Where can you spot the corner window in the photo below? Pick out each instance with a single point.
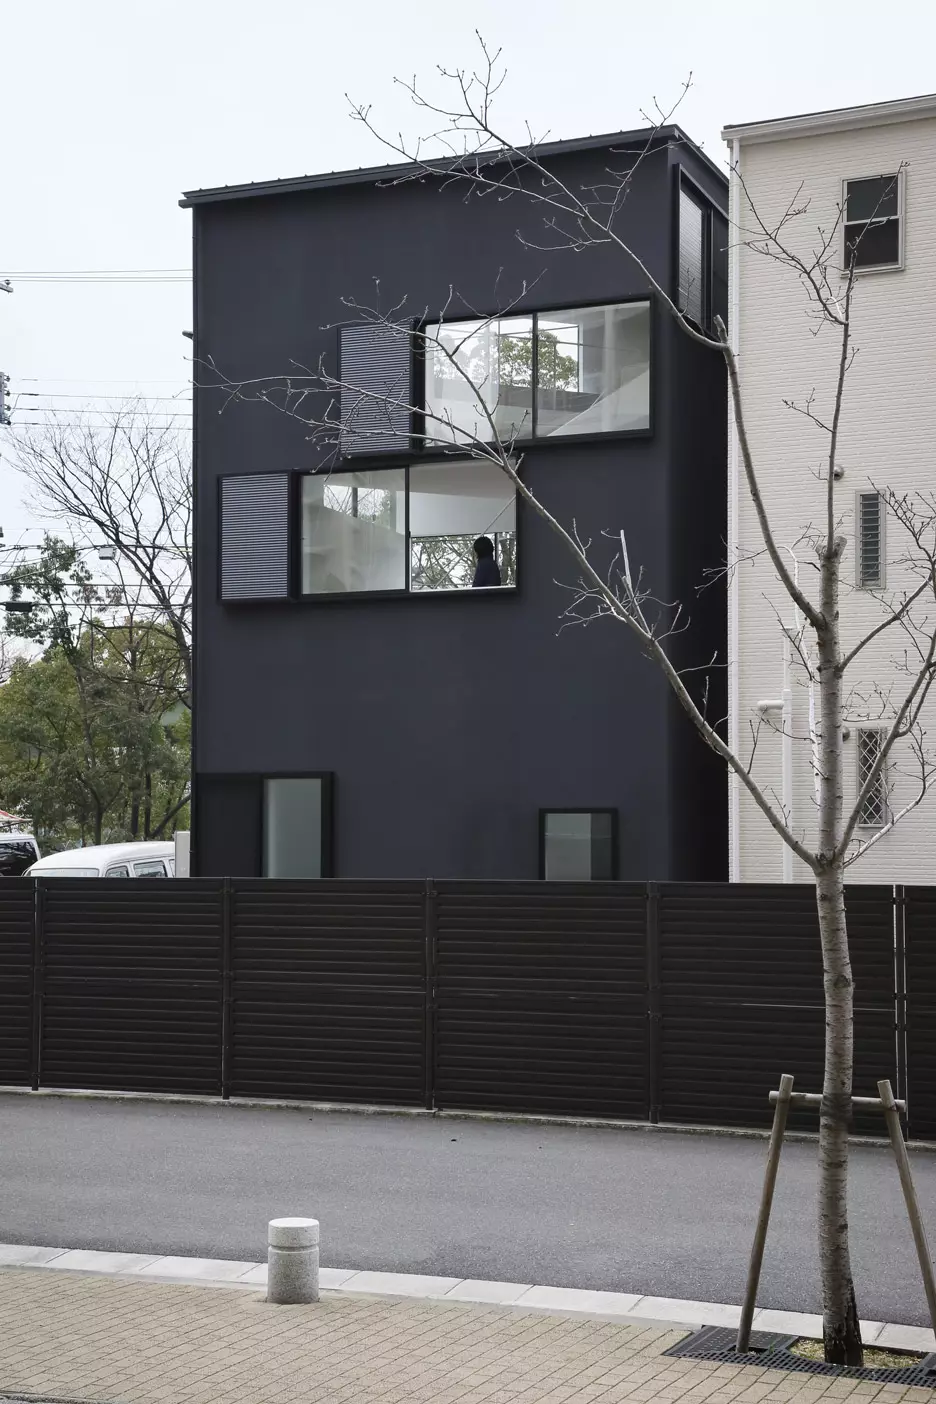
(577, 372)
(873, 219)
(578, 845)
(874, 809)
(447, 525)
(296, 826)
(870, 536)
(693, 239)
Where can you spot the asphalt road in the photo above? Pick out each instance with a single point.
(624, 1210)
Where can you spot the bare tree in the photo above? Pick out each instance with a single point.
(477, 154)
(126, 486)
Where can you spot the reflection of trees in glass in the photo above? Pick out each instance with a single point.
(555, 371)
(448, 562)
(369, 504)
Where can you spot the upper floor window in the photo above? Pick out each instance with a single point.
(874, 806)
(873, 222)
(570, 373)
(694, 239)
(426, 526)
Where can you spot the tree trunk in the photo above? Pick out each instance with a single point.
(841, 1333)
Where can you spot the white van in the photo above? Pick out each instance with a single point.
(113, 860)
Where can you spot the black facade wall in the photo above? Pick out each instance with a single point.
(447, 721)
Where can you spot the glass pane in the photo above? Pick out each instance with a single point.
(593, 370)
(873, 245)
(120, 871)
(451, 507)
(292, 828)
(154, 868)
(872, 199)
(479, 366)
(578, 847)
(354, 532)
(691, 254)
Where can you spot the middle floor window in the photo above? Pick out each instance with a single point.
(581, 371)
(447, 525)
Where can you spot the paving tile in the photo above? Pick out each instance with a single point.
(692, 1313)
(206, 1269)
(86, 1260)
(907, 1338)
(497, 1293)
(572, 1299)
(400, 1284)
(27, 1255)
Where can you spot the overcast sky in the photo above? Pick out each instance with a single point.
(111, 108)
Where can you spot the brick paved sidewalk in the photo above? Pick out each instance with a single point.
(71, 1336)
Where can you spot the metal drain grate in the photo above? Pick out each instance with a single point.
(768, 1348)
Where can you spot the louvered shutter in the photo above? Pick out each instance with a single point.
(376, 374)
(870, 539)
(255, 537)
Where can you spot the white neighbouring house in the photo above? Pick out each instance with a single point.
(879, 161)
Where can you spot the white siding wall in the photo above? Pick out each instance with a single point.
(888, 439)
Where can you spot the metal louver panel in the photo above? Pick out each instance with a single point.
(870, 540)
(255, 537)
(377, 378)
(691, 259)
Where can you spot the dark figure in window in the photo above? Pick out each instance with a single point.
(487, 571)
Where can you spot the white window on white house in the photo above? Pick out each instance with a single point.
(874, 807)
(873, 214)
(692, 260)
(870, 538)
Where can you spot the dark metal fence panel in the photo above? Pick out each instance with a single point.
(920, 939)
(329, 992)
(741, 969)
(541, 998)
(16, 967)
(132, 985)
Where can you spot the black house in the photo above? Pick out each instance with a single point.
(362, 709)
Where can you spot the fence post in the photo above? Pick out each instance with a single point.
(900, 996)
(38, 983)
(227, 984)
(654, 1010)
(430, 932)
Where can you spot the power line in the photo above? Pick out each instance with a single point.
(69, 272)
(84, 380)
(74, 395)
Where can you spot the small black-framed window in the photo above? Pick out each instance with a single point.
(296, 826)
(695, 258)
(578, 845)
(870, 534)
(873, 223)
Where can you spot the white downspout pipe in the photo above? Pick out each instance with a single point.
(734, 585)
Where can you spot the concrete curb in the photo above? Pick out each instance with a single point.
(668, 1128)
(615, 1306)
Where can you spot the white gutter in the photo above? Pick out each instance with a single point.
(734, 690)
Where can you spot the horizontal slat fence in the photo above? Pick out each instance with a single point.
(674, 1002)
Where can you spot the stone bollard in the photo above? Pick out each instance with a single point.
(293, 1261)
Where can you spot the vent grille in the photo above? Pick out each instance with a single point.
(255, 537)
(870, 540)
(377, 379)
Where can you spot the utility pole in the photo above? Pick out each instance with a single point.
(6, 404)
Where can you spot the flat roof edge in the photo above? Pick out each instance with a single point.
(838, 119)
(404, 170)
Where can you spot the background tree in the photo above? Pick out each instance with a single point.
(475, 151)
(126, 486)
(94, 739)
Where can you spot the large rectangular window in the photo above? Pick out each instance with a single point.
(447, 525)
(296, 827)
(582, 371)
(578, 845)
(354, 532)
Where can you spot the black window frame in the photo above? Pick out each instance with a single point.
(327, 779)
(389, 463)
(614, 814)
(692, 192)
(416, 447)
(900, 220)
(860, 558)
